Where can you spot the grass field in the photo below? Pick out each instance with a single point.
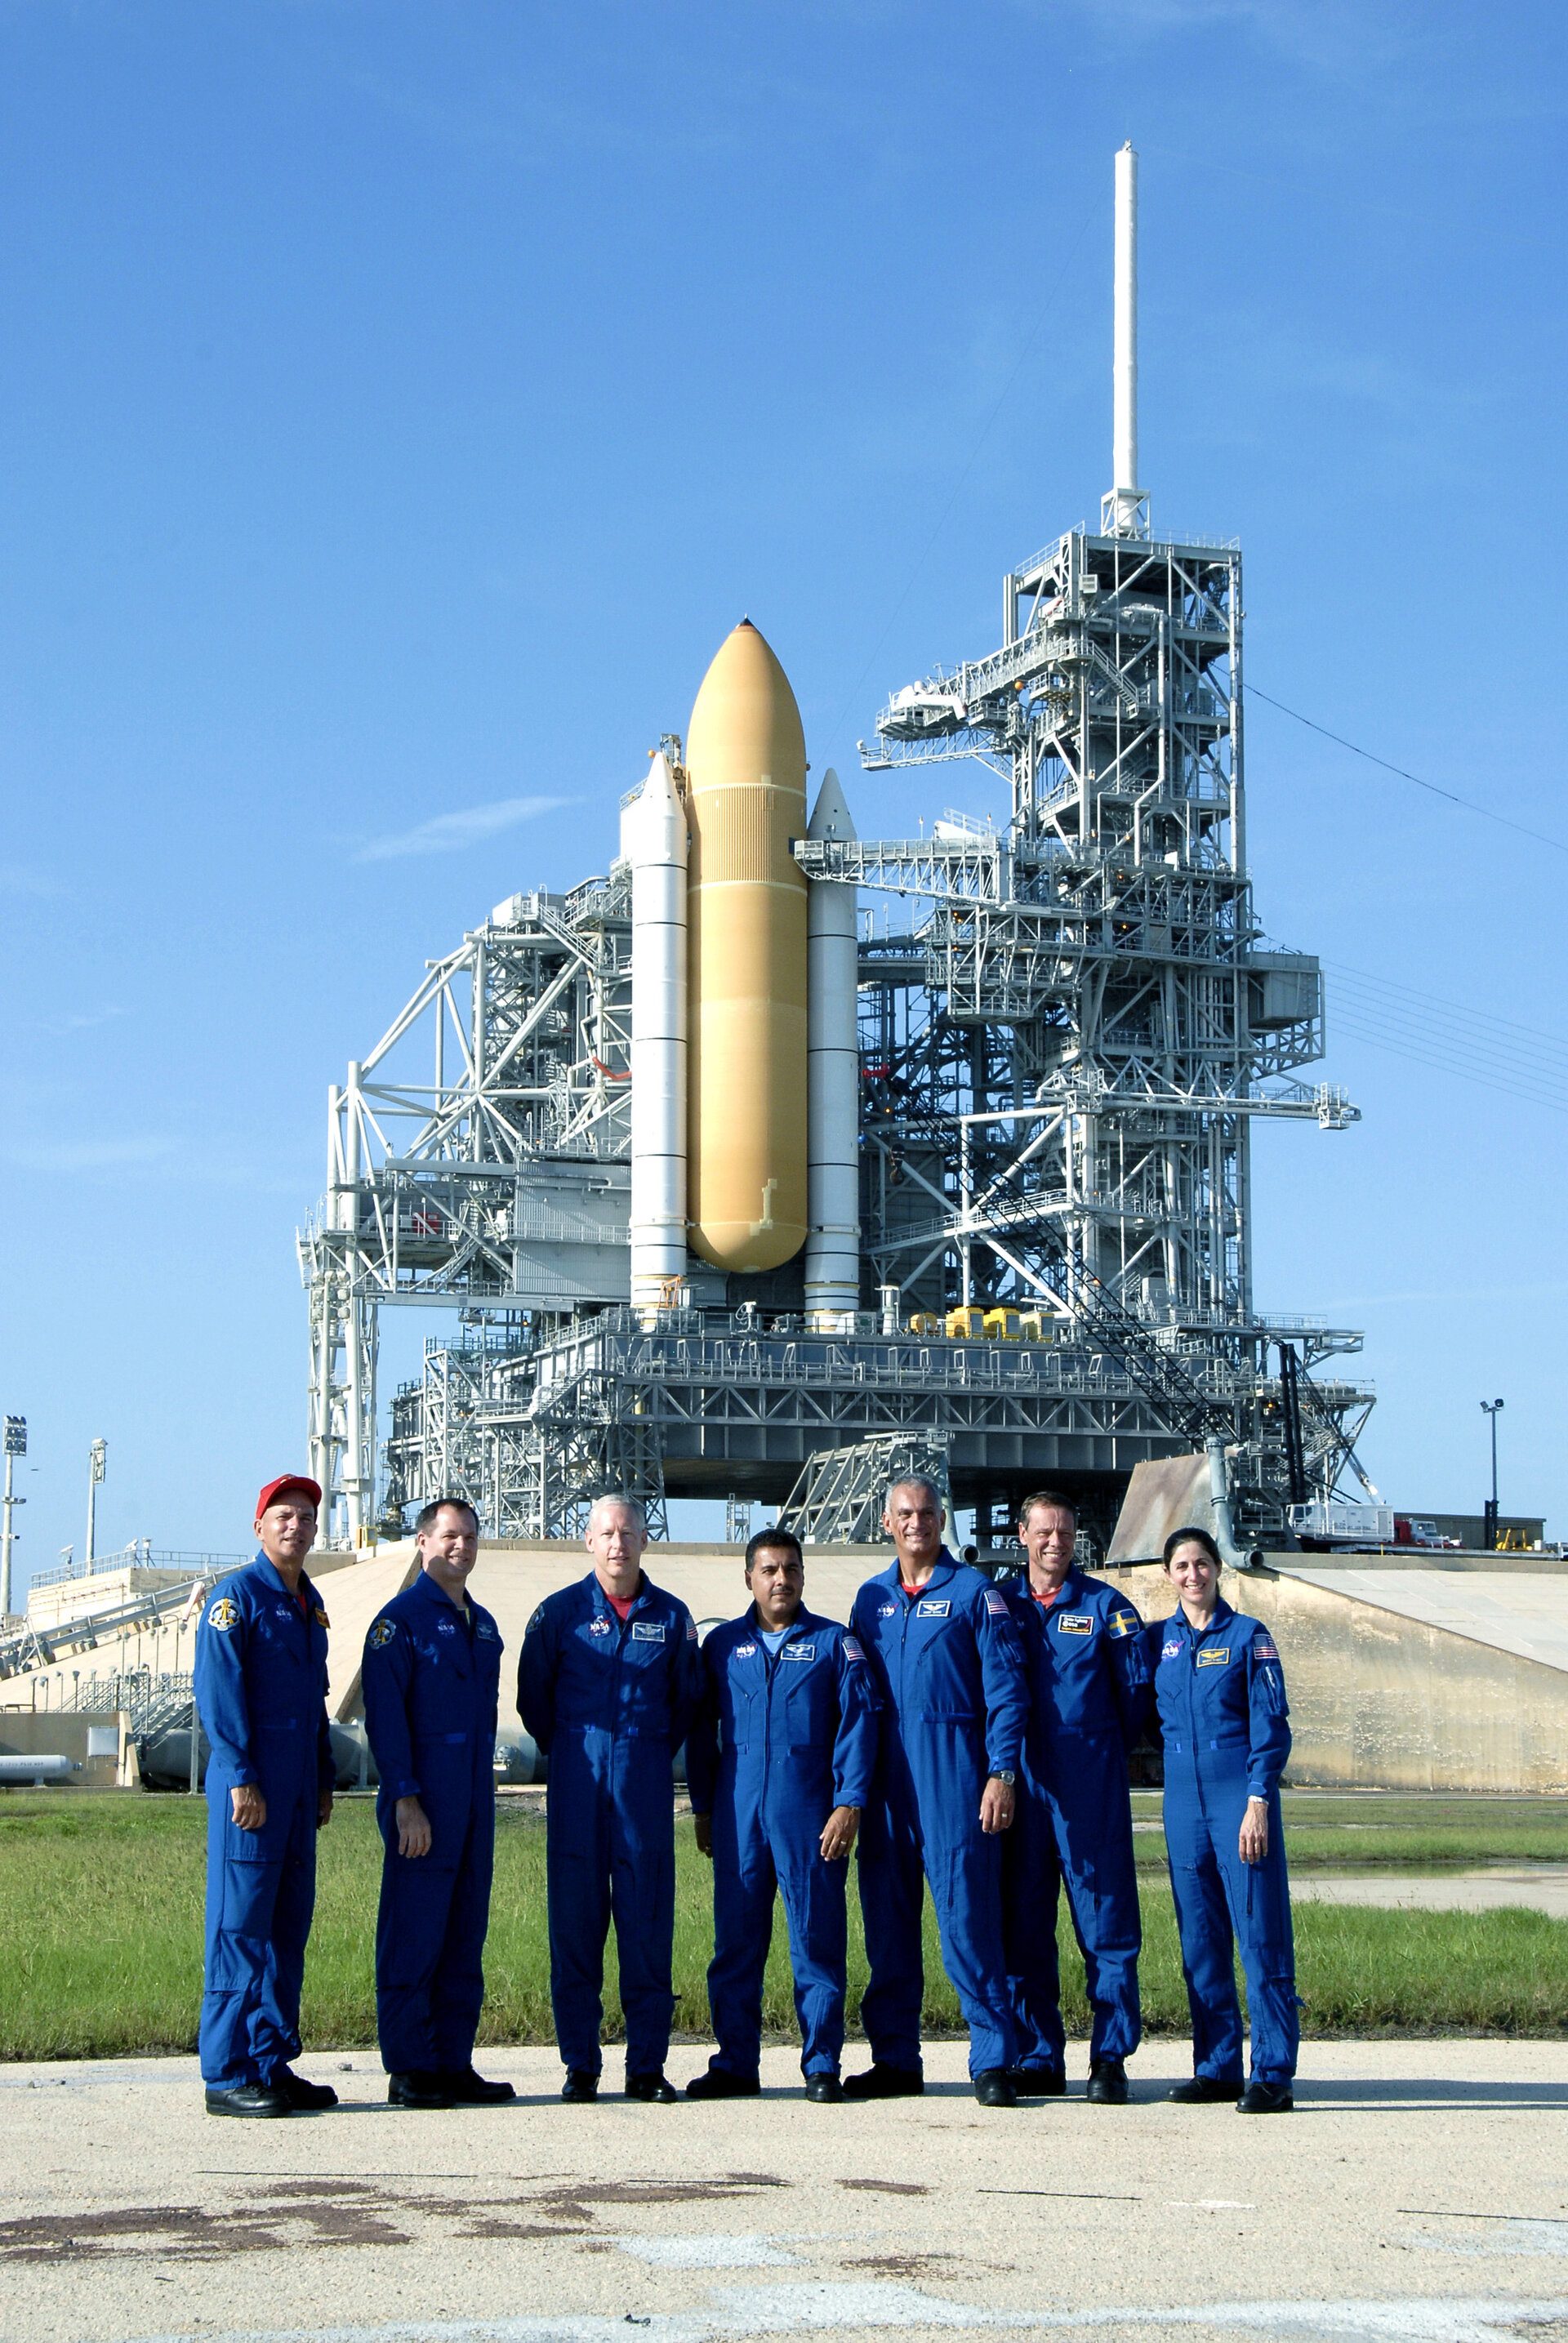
(101, 1929)
(1343, 1830)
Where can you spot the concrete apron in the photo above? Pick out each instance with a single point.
(1420, 2191)
(1489, 1887)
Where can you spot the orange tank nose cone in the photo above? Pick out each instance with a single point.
(746, 756)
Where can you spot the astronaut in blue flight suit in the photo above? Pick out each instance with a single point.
(261, 1697)
(946, 1659)
(430, 1675)
(1090, 1680)
(609, 1680)
(1220, 1695)
(780, 1763)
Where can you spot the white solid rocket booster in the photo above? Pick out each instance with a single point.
(832, 1076)
(654, 841)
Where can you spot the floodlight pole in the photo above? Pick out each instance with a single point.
(15, 1445)
(96, 1458)
(1492, 1408)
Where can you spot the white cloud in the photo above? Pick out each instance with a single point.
(78, 1020)
(445, 833)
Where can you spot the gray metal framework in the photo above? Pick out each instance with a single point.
(1064, 1058)
(1061, 1059)
(841, 1495)
(477, 1157)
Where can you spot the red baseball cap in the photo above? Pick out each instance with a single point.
(287, 1481)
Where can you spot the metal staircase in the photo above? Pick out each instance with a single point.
(839, 1497)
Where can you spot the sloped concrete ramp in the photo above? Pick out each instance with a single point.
(1388, 1692)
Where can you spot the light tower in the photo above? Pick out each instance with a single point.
(97, 1460)
(1491, 1409)
(15, 1445)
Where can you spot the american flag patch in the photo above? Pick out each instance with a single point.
(852, 1650)
(995, 1604)
(1263, 1649)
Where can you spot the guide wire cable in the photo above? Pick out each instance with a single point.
(1487, 813)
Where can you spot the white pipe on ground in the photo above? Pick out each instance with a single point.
(655, 841)
(832, 1076)
(38, 1769)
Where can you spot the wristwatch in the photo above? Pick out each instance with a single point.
(1007, 1781)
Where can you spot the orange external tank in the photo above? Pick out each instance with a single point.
(746, 762)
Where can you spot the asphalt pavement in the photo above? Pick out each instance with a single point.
(1419, 2193)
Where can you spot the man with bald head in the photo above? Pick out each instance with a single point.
(608, 1683)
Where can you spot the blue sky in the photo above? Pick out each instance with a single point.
(398, 403)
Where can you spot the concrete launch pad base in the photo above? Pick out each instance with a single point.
(1420, 2191)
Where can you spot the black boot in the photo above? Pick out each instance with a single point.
(1202, 2090)
(417, 2090)
(880, 2082)
(1107, 2082)
(719, 2083)
(655, 2090)
(993, 2088)
(1266, 2099)
(1038, 2082)
(825, 2090)
(466, 2089)
(580, 2089)
(248, 2100)
(305, 2098)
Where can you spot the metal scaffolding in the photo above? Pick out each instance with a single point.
(477, 1157)
(841, 1495)
(1061, 1057)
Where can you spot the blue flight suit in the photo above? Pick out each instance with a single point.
(950, 1670)
(431, 1673)
(1223, 1714)
(1089, 1675)
(609, 1703)
(261, 1697)
(783, 1738)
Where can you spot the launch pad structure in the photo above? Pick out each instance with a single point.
(1028, 1226)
